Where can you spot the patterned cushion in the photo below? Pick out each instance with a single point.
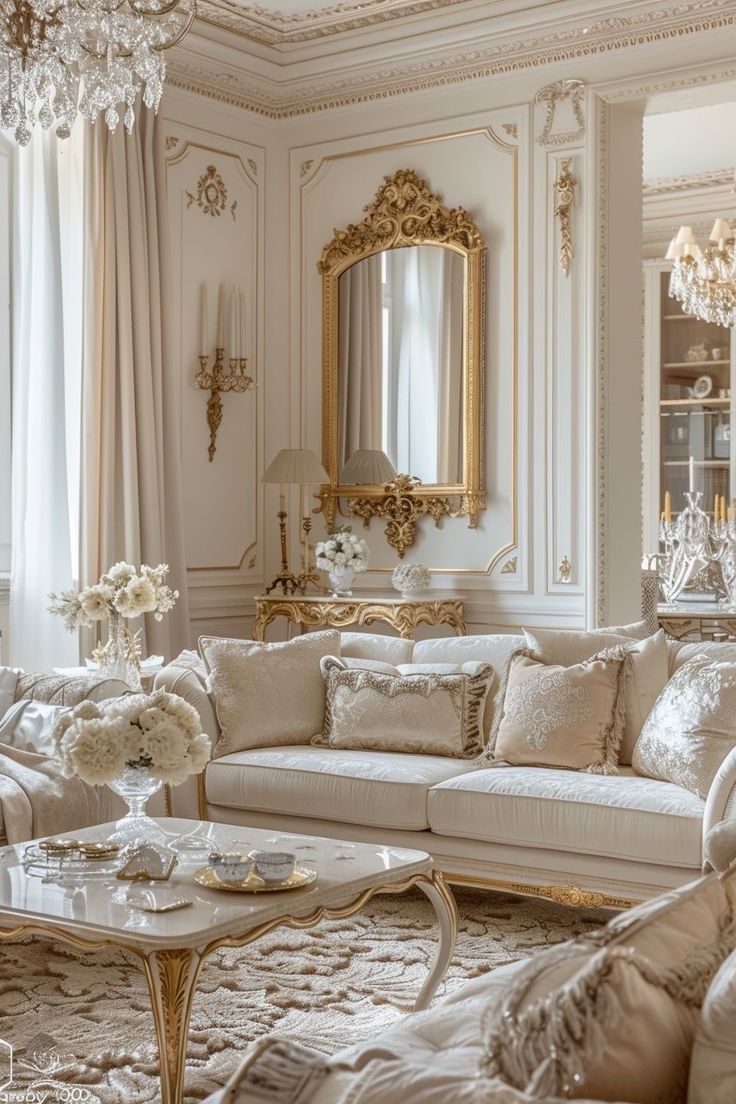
(692, 727)
(556, 716)
(62, 690)
(421, 712)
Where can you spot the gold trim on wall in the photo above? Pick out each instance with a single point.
(405, 212)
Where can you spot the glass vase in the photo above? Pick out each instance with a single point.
(118, 657)
(341, 580)
(136, 785)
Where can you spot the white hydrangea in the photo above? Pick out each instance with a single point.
(342, 549)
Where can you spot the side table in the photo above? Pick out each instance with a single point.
(320, 610)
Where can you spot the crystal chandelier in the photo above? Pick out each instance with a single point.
(95, 57)
(704, 280)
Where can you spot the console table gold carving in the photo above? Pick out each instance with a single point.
(403, 614)
(694, 622)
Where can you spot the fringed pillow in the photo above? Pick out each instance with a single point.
(554, 716)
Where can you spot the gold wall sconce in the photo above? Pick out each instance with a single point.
(298, 467)
(218, 379)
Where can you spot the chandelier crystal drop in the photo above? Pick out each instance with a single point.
(59, 58)
(704, 280)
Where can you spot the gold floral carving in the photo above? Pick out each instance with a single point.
(511, 129)
(564, 571)
(404, 212)
(571, 895)
(509, 568)
(306, 166)
(554, 94)
(401, 616)
(402, 509)
(211, 193)
(564, 187)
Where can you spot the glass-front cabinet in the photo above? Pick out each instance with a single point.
(689, 377)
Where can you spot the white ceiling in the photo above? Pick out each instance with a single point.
(695, 140)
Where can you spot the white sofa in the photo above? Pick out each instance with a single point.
(573, 837)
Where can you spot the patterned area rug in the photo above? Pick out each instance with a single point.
(331, 987)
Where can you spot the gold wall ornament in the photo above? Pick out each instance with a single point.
(564, 571)
(509, 568)
(511, 129)
(217, 380)
(211, 193)
(564, 187)
(553, 95)
(405, 212)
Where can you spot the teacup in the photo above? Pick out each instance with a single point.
(274, 866)
(230, 866)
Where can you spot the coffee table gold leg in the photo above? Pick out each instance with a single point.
(443, 901)
(172, 979)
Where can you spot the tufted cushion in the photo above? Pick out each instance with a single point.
(357, 787)
(621, 816)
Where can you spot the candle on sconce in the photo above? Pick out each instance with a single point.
(203, 342)
(716, 507)
(242, 323)
(692, 474)
(221, 317)
(724, 511)
(667, 515)
(233, 351)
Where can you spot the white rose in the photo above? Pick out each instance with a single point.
(96, 602)
(200, 750)
(166, 746)
(94, 750)
(136, 597)
(119, 573)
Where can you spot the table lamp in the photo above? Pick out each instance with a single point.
(300, 467)
(371, 466)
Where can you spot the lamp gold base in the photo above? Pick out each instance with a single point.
(289, 583)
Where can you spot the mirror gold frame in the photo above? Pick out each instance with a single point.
(406, 212)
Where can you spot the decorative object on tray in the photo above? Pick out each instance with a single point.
(148, 863)
(410, 578)
(254, 883)
(122, 593)
(52, 858)
(342, 555)
(135, 745)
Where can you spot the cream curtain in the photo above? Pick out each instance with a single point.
(131, 489)
(360, 353)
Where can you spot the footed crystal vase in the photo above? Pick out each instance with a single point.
(136, 785)
(119, 657)
(341, 580)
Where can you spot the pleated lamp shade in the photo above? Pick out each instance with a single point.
(368, 466)
(295, 466)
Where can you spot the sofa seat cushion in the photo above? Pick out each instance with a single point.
(621, 816)
(358, 787)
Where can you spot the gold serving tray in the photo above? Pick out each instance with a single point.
(254, 883)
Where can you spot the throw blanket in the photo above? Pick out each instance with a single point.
(35, 800)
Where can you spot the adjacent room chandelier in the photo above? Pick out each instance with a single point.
(95, 57)
(704, 280)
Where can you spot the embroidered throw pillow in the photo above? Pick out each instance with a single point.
(713, 1061)
(692, 726)
(417, 712)
(555, 716)
(266, 695)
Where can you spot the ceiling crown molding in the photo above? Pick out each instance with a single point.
(668, 185)
(283, 97)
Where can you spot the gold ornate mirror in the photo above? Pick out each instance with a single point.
(403, 371)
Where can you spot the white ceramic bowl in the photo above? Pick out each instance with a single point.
(231, 867)
(274, 866)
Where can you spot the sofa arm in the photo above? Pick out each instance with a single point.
(185, 676)
(66, 689)
(721, 801)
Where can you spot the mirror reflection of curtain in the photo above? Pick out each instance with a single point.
(424, 363)
(359, 385)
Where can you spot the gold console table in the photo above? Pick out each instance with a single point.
(322, 610)
(697, 621)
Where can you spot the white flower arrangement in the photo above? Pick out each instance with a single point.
(342, 549)
(159, 732)
(122, 591)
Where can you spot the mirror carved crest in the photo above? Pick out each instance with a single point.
(403, 362)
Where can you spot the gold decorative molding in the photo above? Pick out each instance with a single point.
(671, 185)
(211, 193)
(170, 142)
(401, 508)
(404, 212)
(338, 613)
(511, 129)
(306, 166)
(218, 381)
(571, 895)
(553, 95)
(564, 187)
(564, 571)
(509, 568)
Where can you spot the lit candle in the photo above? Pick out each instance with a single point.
(203, 346)
(667, 506)
(692, 474)
(221, 318)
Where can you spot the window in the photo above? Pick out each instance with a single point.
(6, 169)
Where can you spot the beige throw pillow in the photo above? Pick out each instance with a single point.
(691, 728)
(419, 712)
(566, 646)
(267, 695)
(555, 716)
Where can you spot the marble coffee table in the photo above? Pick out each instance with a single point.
(172, 946)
